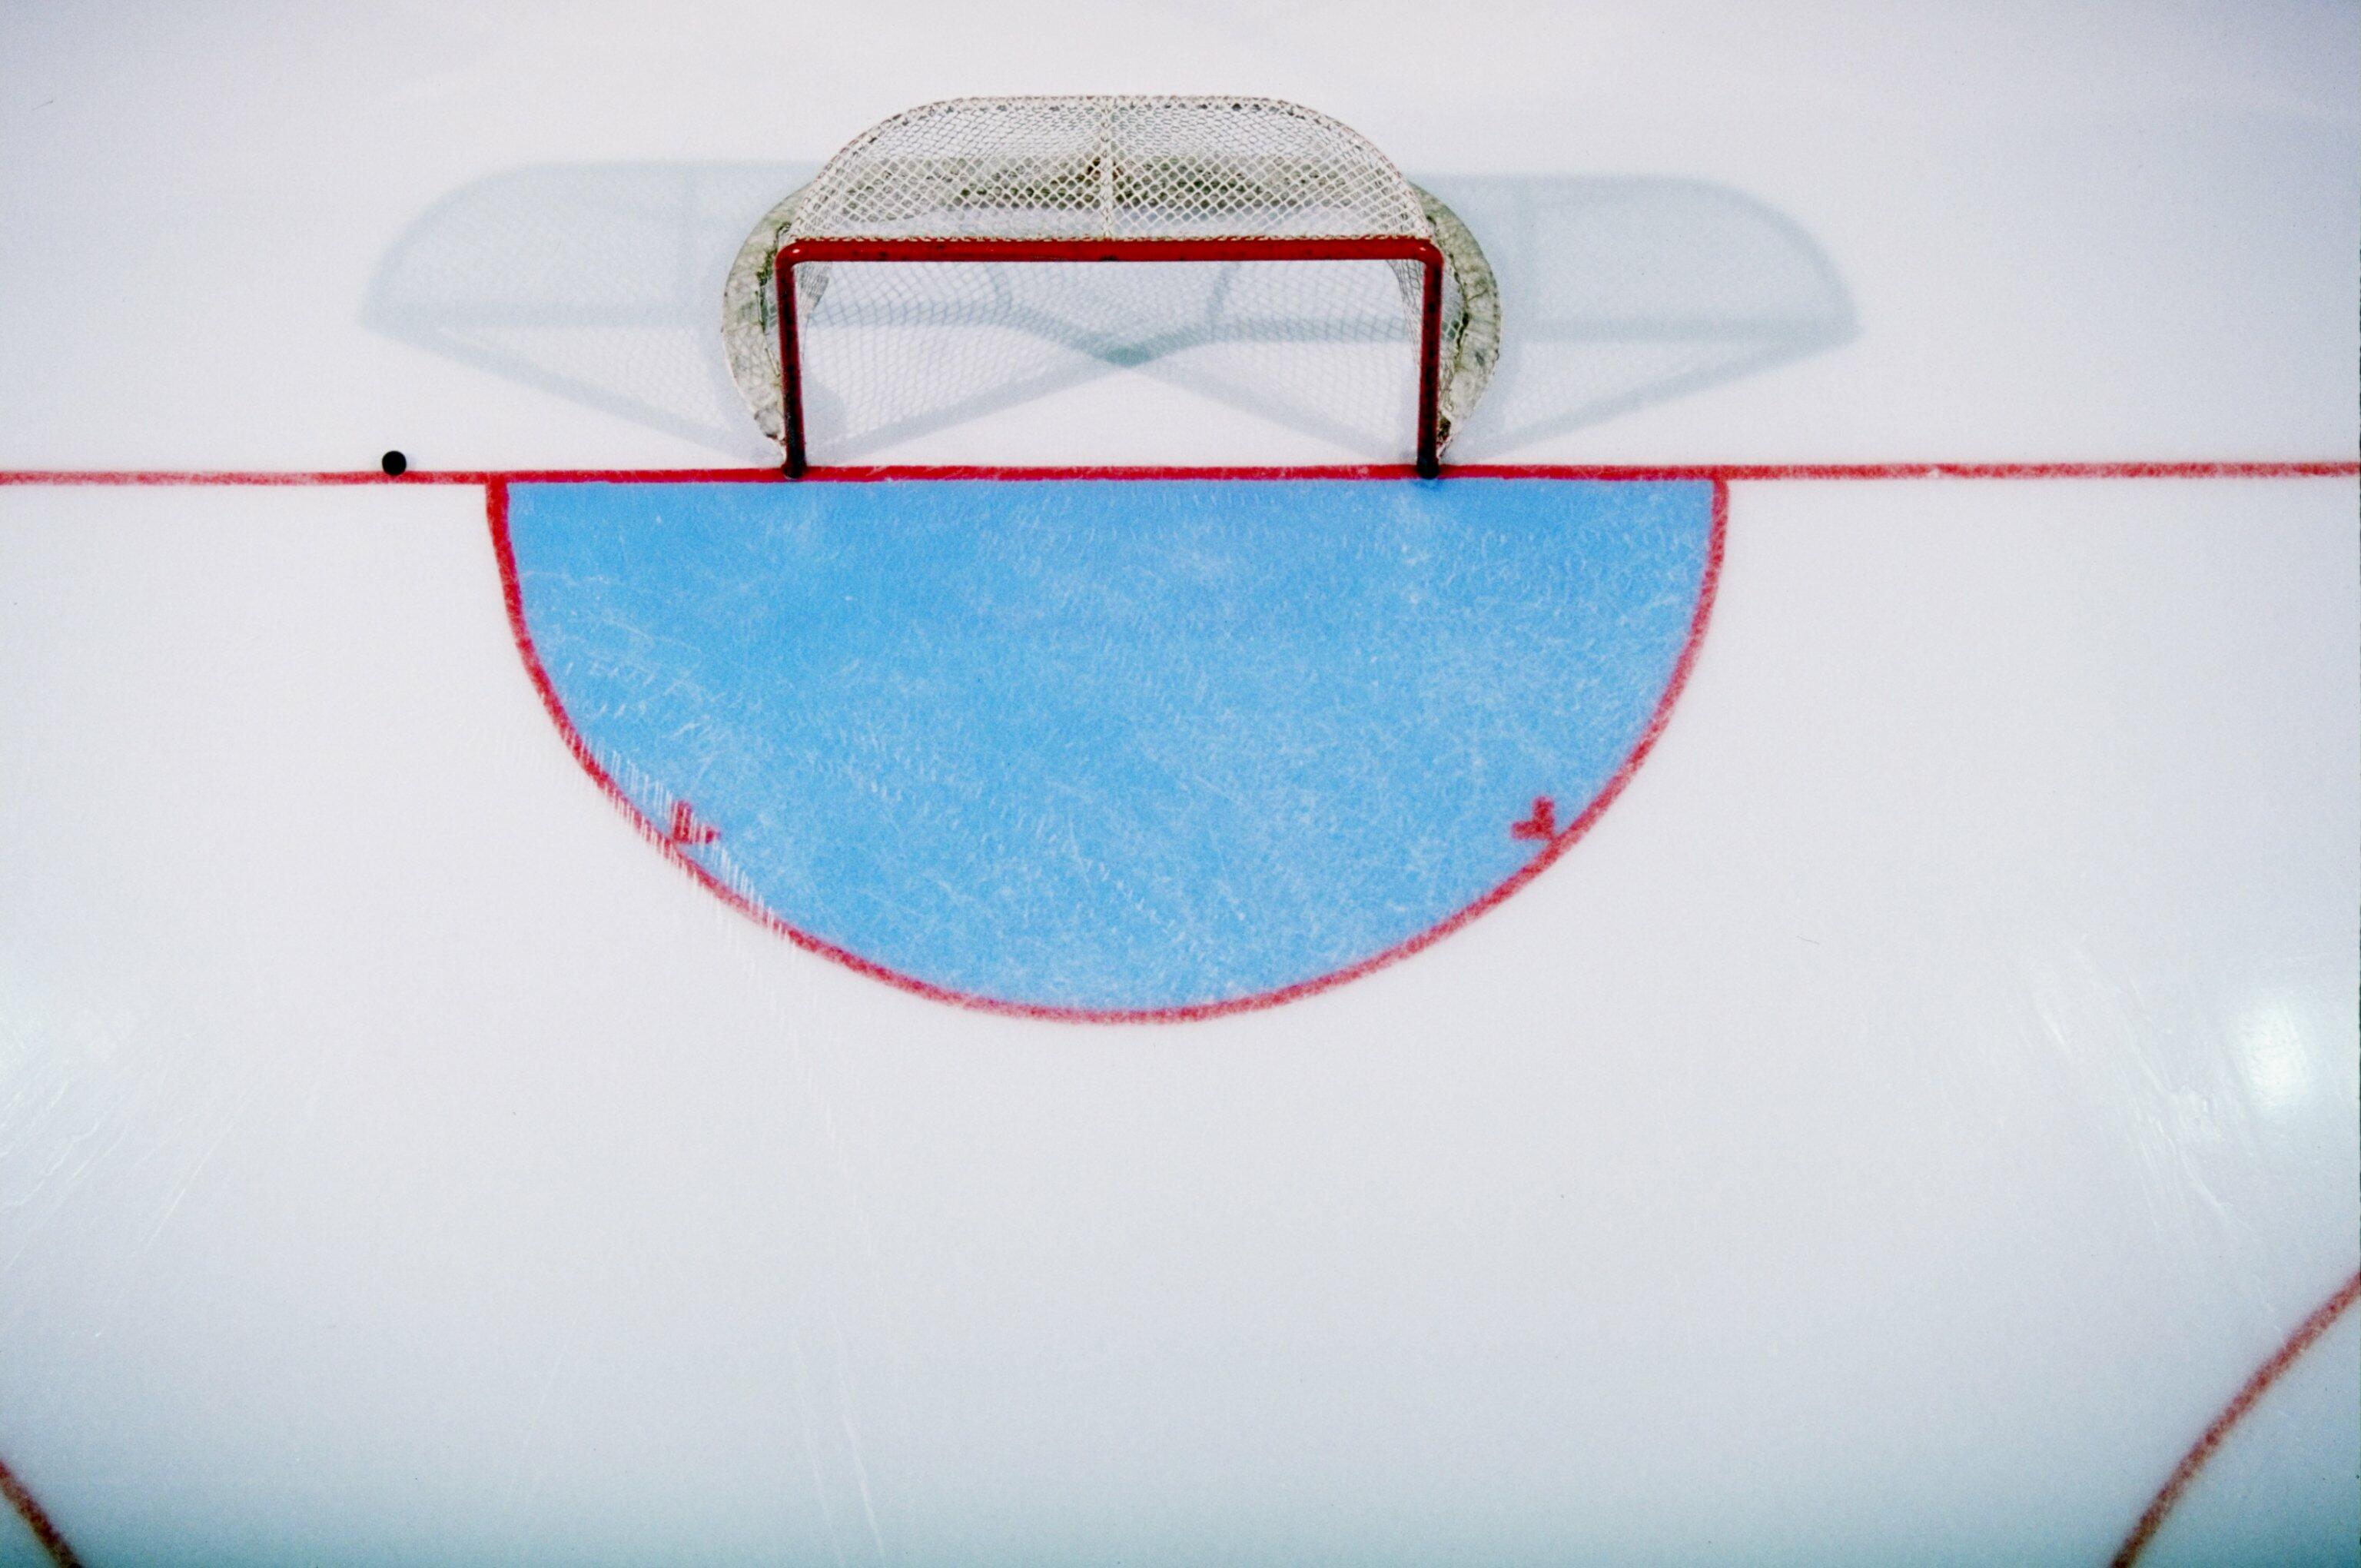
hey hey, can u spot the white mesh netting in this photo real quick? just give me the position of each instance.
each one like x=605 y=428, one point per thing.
x=892 y=348
x=1112 y=168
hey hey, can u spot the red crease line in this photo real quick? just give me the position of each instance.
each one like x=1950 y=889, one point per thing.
x=497 y=508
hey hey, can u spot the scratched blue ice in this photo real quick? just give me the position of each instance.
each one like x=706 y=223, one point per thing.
x=1113 y=744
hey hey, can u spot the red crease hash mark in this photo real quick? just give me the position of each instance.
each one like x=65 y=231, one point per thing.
x=2306 y=1334
x=37 y=1519
x=686 y=828
x=1541 y=825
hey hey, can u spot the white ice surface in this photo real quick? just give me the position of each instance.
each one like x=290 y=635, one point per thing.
x=1889 y=1137
x=1896 y=1127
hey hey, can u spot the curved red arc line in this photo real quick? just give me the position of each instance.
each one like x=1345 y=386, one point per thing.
x=2305 y=1335
x=37 y=1518
x=512 y=594
x=496 y=509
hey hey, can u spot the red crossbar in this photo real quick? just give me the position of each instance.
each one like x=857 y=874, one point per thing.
x=1334 y=248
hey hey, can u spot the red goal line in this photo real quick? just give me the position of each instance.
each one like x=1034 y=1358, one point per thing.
x=1725 y=473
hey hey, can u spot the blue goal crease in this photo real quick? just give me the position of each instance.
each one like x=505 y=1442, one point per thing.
x=1112 y=744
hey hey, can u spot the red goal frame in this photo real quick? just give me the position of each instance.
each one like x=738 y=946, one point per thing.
x=1331 y=247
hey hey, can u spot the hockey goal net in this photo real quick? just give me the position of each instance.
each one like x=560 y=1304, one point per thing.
x=1237 y=217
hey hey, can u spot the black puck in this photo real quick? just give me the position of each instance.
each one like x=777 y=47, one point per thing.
x=394 y=464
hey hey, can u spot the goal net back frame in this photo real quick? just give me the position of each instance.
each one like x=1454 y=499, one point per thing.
x=1130 y=180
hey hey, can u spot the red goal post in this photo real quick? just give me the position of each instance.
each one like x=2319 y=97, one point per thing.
x=1422 y=253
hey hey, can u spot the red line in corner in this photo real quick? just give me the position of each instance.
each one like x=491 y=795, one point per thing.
x=37 y=1519
x=2306 y=1334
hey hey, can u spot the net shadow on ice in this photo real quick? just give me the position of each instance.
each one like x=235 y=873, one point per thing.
x=601 y=285
x=1618 y=294
x=595 y=283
